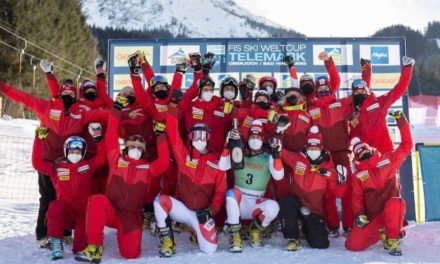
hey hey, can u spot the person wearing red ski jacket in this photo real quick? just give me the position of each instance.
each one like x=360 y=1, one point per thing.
x=61 y=116
x=120 y=207
x=368 y=121
x=294 y=133
x=201 y=189
x=312 y=172
x=260 y=109
x=307 y=82
x=330 y=115
x=377 y=203
x=73 y=180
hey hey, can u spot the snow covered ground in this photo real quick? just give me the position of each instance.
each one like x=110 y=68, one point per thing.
x=17 y=223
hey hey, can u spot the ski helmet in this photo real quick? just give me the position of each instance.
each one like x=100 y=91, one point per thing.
x=75 y=143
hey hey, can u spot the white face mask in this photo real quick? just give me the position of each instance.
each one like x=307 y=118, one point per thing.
x=74 y=158
x=269 y=90
x=134 y=153
x=313 y=154
x=229 y=95
x=207 y=96
x=255 y=144
x=199 y=145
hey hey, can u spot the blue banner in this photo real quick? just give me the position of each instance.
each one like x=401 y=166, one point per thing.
x=430 y=167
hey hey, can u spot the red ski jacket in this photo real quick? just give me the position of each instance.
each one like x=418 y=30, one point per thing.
x=376 y=179
x=307 y=182
x=73 y=182
x=53 y=116
x=372 y=127
x=200 y=183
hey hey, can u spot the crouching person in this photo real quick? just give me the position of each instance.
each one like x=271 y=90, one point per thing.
x=246 y=200
x=72 y=178
x=377 y=204
x=120 y=207
x=312 y=172
x=200 y=191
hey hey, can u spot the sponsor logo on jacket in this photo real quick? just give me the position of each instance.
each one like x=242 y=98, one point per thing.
x=122 y=163
x=63 y=174
x=197 y=113
x=304 y=118
x=335 y=105
x=363 y=175
x=83 y=168
x=383 y=163
x=55 y=114
x=373 y=107
x=315 y=113
x=191 y=163
x=161 y=108
x=300 y=168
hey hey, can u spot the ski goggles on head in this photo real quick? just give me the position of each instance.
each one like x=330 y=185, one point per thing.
x=359 y=84
x=199 y=135
x=230 y=81
x=158 y=79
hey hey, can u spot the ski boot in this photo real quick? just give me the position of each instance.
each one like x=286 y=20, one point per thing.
x=167 y=245
x=44 y=242
x=56 y=248
x=92 y=253
x=333 y=232
x=292 y=244
x=393 y=247
x=235 y=243
x=255 y=234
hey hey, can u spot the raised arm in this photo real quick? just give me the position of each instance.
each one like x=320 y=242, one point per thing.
x=335 y=79
x=400 y=154
x=399 y=89
x=148 y=72
x=139 y=92
x=101 y=87
x=52 y=83
x=172 y=131
x=111 y=136
x=160 y=165
x=35 y=104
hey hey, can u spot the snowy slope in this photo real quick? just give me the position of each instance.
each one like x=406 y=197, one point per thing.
x=17 y=245
x=195 y=18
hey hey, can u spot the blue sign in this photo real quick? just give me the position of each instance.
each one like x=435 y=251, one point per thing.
x=379 y=55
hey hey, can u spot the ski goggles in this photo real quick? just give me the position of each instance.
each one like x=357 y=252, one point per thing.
x=76 y=145
x=199 y=135
x=359 y=84
x=159 y=79
x=230 y=81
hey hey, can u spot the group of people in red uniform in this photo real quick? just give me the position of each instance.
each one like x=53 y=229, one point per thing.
x=152 y=154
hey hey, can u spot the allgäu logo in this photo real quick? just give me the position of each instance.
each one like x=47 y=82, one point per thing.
x=379 y=55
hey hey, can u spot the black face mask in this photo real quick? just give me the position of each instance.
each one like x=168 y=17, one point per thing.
x=358 y=99
x=91 y=96
x=68 y=101
x=131 y=99
x=307 y=89
x=263 y=105
x=367 y=155
x=292 y=100
x=161 y=94
x=323 y=93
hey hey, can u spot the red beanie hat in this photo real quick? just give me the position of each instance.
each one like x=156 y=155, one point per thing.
x=359 y=147
x=314 y=138
x=257 y=129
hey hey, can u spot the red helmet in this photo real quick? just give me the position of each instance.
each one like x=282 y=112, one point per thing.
x=267 y=79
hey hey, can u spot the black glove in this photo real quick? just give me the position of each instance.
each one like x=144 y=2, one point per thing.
x=159 y=127
x=361 y=220
x=208 y=62
x=95 y=131
x=100 y=67
x=323 y=171
x=41 y=132
x=289 y=61
x=278 y=97
x=195 y=61
x=204 y=215
x=176 y=96
x=182 y=67
x=364 y=62
x=396 y=114
x=134 y=62
x=120 y=102
x=275 y=147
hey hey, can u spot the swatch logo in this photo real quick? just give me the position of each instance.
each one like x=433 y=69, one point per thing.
x=379 y=55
